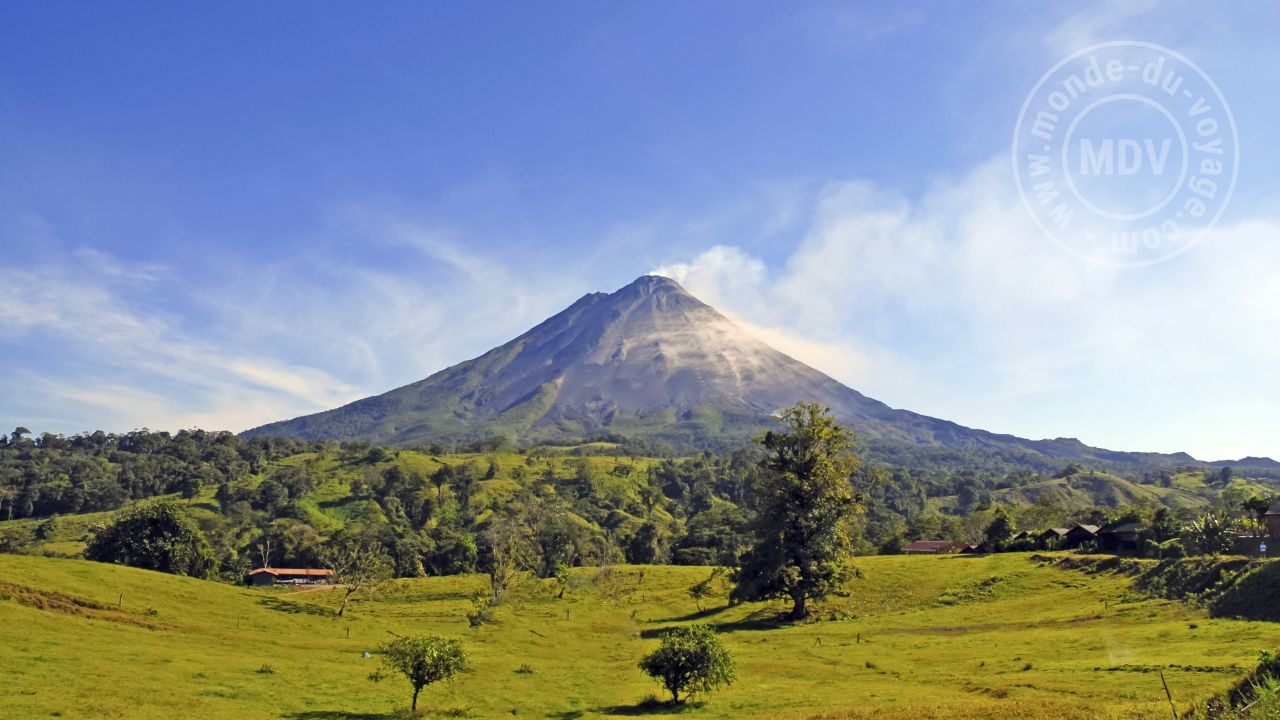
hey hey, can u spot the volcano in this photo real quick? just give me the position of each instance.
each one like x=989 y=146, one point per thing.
x=650 y=361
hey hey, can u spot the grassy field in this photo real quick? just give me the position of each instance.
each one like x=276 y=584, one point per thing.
x=967 y=637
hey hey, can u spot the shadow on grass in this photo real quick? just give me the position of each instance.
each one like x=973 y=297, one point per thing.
x=648 y=706
x=207 y=506
x=296 y=608
x=696 y=615
x=756 y=621
x=341 y=715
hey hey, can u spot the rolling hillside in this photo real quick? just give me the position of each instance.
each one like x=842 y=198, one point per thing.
x=995 y=637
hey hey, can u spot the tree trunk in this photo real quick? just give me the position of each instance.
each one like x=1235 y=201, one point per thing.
x=416 y=690
x=800 y=609
x=343 y=608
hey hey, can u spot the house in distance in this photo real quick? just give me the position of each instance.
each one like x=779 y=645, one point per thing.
x=290 y=576
x=1079 y=535
x=1273 y=520
x=1052 y=538
x=1117 y=537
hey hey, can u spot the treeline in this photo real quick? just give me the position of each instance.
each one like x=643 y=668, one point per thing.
x=53 y=474
x=577 y=510
x=687 y=511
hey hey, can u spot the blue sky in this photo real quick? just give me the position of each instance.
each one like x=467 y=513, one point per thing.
x=227 y=215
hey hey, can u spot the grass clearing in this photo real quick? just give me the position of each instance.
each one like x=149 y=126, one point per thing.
x=969 y=637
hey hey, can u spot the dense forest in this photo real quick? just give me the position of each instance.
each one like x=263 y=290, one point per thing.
x=441 y=510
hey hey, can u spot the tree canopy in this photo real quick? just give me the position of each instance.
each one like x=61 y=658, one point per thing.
x=690 y=660
x=359 y=564
x=154 y=536
x=805 y=505
x=999 y=533
x=424 y=659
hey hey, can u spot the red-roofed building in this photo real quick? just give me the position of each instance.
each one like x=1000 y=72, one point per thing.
x=290 y=576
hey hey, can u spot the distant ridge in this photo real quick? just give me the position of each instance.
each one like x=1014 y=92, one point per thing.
x=650 y=361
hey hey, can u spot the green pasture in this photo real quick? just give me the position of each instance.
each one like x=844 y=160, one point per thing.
x=961 y=636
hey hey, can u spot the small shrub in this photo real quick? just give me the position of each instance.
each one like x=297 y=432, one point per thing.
x=705 y=588
x=481 y=611
x=561 y=576
x=1172 y=549
x=424 y=659
x=871 y=666
x=690 y=660
x=1026 y=667
x=525 y=669
x=266 y=670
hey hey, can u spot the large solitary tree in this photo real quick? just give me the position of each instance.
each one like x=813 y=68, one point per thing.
x=805 y=503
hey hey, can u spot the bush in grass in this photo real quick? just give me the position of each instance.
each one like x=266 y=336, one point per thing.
x=690 y=660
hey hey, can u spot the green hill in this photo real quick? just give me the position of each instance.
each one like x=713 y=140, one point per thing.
x=332 y=504
x=956 y=637
x=1087 y=489
x=1084 y=489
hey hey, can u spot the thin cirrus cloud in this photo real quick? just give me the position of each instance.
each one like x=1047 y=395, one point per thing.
x=106 y=344
x=92 y=323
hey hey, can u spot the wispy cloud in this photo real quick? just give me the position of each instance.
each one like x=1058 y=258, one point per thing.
x=1106 y=20
x=90 y=317
x=249 y=344
x=956 y=305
